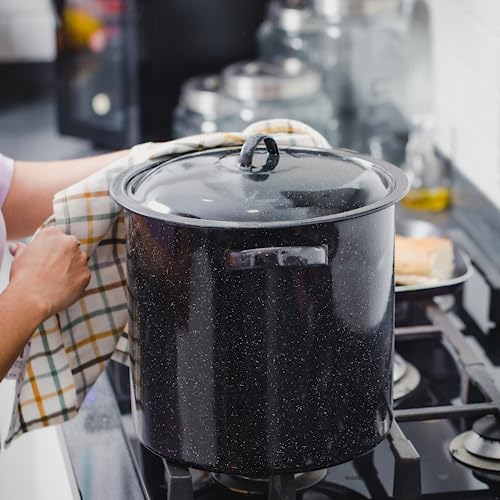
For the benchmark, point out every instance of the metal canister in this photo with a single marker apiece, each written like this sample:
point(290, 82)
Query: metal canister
point(201, 107)
point(287, 88)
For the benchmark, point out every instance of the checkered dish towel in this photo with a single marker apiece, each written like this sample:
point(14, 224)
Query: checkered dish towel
point(69, 351)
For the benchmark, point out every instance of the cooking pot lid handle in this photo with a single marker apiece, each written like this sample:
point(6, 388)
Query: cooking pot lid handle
point(248, 150)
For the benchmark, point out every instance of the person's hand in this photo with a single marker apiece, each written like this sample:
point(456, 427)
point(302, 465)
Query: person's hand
point(51, 270)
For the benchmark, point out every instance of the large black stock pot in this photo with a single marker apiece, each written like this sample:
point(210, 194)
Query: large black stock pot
point(261, 305)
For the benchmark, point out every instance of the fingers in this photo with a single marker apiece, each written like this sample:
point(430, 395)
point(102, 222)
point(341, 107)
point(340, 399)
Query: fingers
point(82, 257)
point(86, 279)
point(55, 231)
point(17, 248)
point(50, 237)
point(75, 242)
point(68, 240)
point(49, 231)
point(53, 266)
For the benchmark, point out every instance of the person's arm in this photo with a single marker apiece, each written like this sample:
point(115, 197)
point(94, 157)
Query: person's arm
point(48, 275)
point(20, 315)
point(34, 184)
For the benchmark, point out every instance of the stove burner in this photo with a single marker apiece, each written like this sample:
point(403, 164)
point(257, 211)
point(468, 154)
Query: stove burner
point(480, 447)
point(245, 485)
point(492, 479)
point(405, 376)
point(399, 369)
point(459, 452)
point(488, 427)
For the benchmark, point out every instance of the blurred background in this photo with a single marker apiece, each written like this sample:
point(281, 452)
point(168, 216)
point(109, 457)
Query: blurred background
point(403, 80)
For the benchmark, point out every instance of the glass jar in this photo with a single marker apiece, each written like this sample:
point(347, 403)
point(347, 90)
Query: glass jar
point(377, 37)
point(308, 30)
point(283, 89)
point(358, 47)
point(201, 107)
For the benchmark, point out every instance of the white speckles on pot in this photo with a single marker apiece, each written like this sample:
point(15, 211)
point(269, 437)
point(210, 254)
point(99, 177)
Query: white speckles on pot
point(261, 370)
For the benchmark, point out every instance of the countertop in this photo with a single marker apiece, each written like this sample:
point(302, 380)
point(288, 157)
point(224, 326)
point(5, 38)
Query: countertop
point(97, 438)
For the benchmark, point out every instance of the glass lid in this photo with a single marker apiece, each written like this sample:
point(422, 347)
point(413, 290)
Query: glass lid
point(260, 186)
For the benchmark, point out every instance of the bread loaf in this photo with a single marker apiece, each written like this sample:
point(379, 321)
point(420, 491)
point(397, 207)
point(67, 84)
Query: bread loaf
point(421, 261)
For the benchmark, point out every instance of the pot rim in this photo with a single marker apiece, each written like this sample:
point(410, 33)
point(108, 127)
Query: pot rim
point(398, 183)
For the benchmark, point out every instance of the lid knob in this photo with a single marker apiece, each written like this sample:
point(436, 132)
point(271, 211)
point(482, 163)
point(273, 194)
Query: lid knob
point(248, 150)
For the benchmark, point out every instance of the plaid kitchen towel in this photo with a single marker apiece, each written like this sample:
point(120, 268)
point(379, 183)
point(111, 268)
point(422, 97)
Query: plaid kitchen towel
point(68, 352)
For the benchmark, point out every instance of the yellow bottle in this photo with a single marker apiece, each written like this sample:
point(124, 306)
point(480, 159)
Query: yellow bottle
point(428, 199)
point(429, 174)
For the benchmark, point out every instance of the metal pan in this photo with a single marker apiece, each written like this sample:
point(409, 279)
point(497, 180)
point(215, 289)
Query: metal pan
point(461, 273)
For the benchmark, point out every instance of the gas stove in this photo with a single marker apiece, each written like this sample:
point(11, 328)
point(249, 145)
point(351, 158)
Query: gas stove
point(444, 443)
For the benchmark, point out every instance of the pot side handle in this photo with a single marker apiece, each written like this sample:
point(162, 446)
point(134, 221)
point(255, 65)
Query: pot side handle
point(271, 257)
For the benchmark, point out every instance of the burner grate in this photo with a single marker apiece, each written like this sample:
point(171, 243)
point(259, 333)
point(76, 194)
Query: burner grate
point(407, 483)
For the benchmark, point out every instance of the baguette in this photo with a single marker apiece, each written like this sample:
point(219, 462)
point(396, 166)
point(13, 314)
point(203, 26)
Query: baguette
point(422, 261)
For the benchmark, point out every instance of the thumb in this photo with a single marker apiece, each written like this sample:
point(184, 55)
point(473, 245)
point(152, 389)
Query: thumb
point(16, 249)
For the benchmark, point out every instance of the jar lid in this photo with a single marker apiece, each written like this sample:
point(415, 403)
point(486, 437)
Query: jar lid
point(295, 15)
point(264, 81)
point(260, 187)
point(201, 94)
point(342, 8)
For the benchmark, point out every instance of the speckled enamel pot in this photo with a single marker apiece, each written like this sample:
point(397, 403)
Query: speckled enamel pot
point(261, 321)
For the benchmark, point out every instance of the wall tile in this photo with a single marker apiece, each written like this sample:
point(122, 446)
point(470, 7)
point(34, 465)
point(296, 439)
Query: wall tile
point(466, 75)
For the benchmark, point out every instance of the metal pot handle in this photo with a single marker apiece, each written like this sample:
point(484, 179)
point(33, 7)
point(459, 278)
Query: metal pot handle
point(258, 258)
point(248, 150)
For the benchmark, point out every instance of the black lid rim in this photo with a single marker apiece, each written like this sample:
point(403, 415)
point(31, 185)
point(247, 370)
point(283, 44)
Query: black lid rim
point(399, 187)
